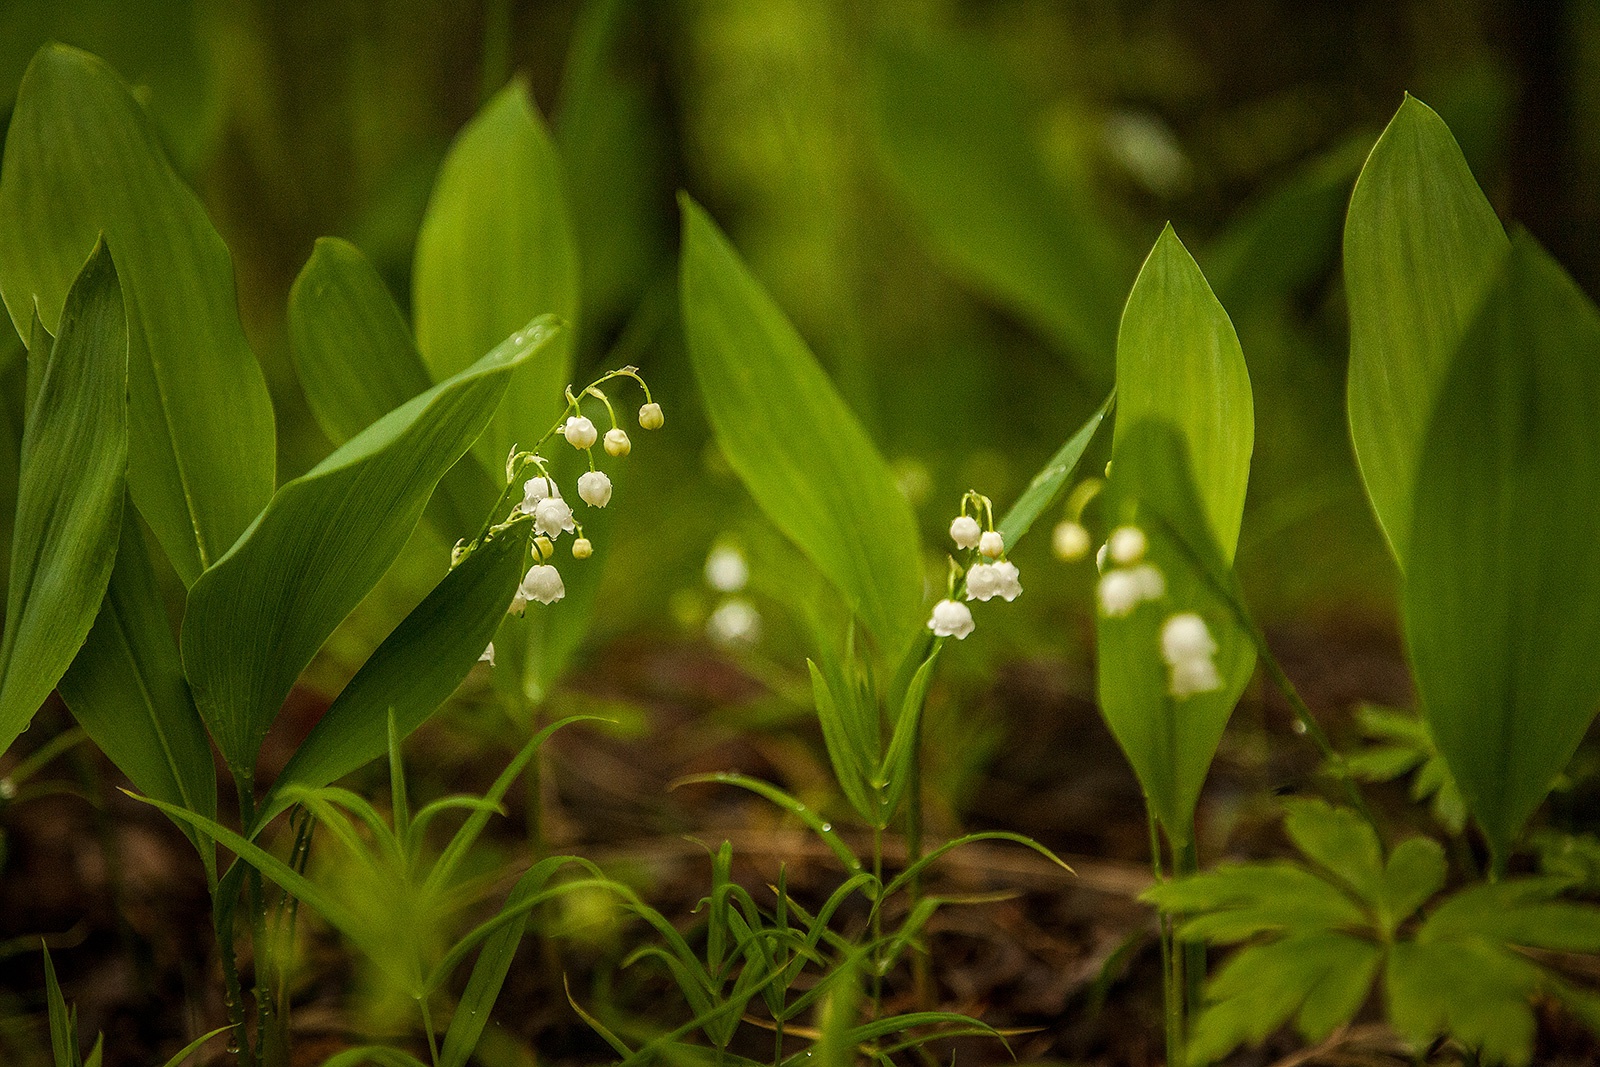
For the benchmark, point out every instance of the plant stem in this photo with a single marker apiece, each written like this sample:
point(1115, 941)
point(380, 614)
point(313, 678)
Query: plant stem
point(877, 924)
point(271, 1042)
point(1171, 995)
point(921, 980)
point(1186, 861)
point(224, 899)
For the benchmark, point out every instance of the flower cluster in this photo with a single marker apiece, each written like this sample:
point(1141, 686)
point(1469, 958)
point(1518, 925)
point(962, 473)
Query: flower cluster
point(1189, 651)
point(542, 503)
point(735, 623)
point(1130, 581)
point(986, 573)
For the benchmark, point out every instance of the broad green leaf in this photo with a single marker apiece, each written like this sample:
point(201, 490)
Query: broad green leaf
point(81, 159)
point(13, 391)
point(1323, 979)
point(1169, 741)
point(352, 349)
point(258, 616)
point(1178, 359)
point(69, 496)
point(126, 689)
point(1340, 841)
point(1047, 486)
point(1502, 597)
point(953, 140)
point(357, 362)
point(794, 441)
point(496, 250)
point(413, 671)
point(1421, 246)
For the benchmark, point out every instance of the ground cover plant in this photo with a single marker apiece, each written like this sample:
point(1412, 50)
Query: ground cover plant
point(581, 621)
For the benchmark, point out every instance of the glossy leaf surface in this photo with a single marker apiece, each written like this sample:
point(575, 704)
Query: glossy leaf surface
point(69, 495)
point(1502, 598)
point(1421, 246)
point(82, 158)
point(794, 441)
point(255, 619)
point(496, 250)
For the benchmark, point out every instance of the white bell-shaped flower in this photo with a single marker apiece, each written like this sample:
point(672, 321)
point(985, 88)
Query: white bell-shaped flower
point(951, 618)
point(580, 432)
point(735, 622)
point(726, 569)
point(1151, 583)
point(594, 488)
point(1119, 594)
point(1191, 677)
point(988, 580)
point(617, 443)
point(536, 489)
point(488, 655)
point(991, 544)
point(650, 416)
point(1069, 541)
point(1127, 545)
point(542, 583)
point(1184, 637)
point(965, 531)
point(552, 517)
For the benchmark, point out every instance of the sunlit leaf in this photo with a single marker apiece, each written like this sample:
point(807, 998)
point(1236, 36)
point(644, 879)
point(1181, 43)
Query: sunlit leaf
point(794, 441)
point(258, 616)
point(1052, 480)
point(69, 496)
point(82, 158)
point(1502, 598)
point(496, 250)
point(1421, 247)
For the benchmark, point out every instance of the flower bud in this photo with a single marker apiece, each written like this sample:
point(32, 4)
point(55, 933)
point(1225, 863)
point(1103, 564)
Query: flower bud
point(580, 432)
point(650, 417)
point(543, 548)
point(735, 622)
point(582, 549)
point(1070, 541)
point(951, 618)
point(726, 570)
point(594, 488)
point(457, 553)
point(965, 531)
point(617, 443)
point(488, 655)
point(542, 583)
point(1119, 594)
point(991, 544)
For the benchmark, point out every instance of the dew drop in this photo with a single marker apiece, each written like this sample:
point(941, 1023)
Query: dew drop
point(827, 828)
point(1298, 727)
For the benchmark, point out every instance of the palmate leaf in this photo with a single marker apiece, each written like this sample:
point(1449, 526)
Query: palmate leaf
point(794, 441)
point(494, 251)
point(950, 130)
point(1421, 247)
point(127, 690)
point(1502, 597)
point(1322, 937)
point(256, 618)
point(69, 495)
point(82, 158)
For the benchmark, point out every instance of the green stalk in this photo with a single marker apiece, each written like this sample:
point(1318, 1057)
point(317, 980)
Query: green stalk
point(272, 1046)
point(1171, 995)
point(877, 924)
point(1186, 861)
point(224, 899)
